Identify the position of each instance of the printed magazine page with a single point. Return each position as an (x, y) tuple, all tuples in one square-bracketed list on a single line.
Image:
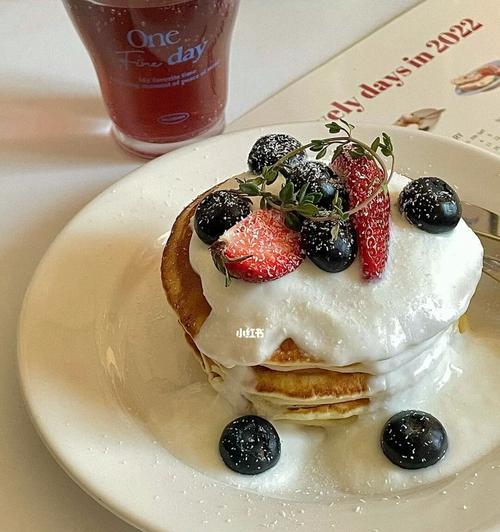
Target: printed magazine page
[(431, 69)]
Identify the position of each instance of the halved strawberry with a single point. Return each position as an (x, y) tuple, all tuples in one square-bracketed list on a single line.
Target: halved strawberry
[(259, 248), (362, 177)]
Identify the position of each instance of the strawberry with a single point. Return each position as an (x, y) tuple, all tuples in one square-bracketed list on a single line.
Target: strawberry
[(259, 248), (362, 177)]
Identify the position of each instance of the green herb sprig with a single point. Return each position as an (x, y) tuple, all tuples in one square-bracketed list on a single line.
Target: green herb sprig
[(304, 203)]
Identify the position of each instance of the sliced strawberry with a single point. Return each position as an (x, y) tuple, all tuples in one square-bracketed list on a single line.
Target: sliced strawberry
[(259, 248), (362, 177)]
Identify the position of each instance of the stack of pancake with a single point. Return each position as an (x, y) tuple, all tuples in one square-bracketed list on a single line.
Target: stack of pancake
[(290, 383)]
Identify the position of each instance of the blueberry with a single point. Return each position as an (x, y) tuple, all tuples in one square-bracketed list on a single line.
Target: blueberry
[(430, 204), (413, 439), (329, 253), (219, 211), (250, 445), (268, 149), (321, 178)]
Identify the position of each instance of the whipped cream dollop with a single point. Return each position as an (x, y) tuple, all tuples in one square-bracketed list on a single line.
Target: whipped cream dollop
[(431, 363), (341, 318)]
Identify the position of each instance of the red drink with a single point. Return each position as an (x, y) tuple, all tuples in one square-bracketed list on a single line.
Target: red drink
[(162, 66)]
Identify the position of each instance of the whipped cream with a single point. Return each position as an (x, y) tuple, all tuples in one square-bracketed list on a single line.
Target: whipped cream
[(324, 464), (340, 318), (432, 363)]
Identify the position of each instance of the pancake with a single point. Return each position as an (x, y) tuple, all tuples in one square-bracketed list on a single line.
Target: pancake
[(330, 394), (289, 383), (184, 292), (314, 414)]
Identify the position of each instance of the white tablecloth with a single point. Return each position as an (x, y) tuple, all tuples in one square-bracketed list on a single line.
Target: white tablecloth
[(56, 155)]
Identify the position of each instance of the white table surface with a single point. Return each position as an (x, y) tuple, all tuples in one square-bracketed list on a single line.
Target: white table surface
[(56, 155)]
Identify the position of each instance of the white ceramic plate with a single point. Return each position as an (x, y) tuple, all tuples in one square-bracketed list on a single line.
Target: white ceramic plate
[(99, 350)]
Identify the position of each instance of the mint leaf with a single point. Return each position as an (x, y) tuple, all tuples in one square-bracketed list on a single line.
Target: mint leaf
[(302, 192), (251, 189), (307, 209), (321, 154), (286, 193), (292, 221), (375, 144)]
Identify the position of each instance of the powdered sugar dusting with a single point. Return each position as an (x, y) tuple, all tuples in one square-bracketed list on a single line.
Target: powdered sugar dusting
[(362, 177), (268, 149), (274, 248), (427, 284), (219, 211)]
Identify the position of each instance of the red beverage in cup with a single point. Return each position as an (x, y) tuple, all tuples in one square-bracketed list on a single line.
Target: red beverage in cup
[(162, 66)]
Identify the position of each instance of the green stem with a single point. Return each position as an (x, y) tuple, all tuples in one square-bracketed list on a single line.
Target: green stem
[(325, 142), (328, 142)]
